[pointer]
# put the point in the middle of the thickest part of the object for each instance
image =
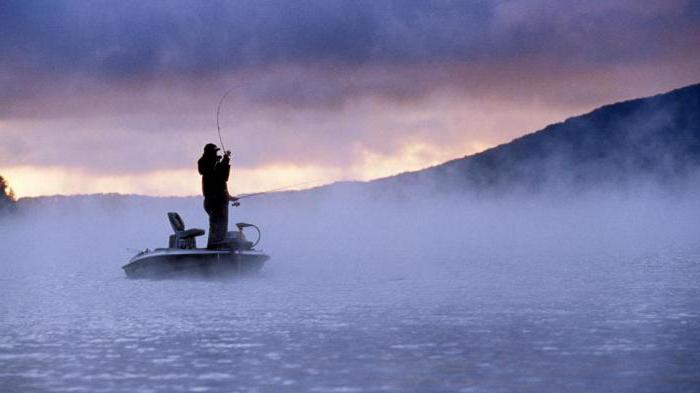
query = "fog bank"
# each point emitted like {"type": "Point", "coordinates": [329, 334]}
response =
{"type": "Point", "coordinates": [339, 232]}
{"type": "Point", "coordinates": [364, 292]}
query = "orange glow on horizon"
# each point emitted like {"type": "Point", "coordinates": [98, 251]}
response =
{"type": "Point", "coordinates": [32, 181]}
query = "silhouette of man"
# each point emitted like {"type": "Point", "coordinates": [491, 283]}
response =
{"type": "Point", "coordinates": [215, 171]}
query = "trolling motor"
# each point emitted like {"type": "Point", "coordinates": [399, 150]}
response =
{"type": "Point", "coordinates": [242, 225]}
{"type": "Point", "coordinates": [238, 240]}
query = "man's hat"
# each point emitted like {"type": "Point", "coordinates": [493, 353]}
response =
{"type": "Point", "coordinates": [211, 147]}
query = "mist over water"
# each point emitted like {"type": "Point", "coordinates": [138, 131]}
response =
{"type": "Point", "coordinates": [544, 293]}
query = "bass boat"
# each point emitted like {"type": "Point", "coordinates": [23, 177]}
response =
{"type": "Point", "coordinates": [236, 256]}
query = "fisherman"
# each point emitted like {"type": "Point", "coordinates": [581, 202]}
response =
{"type": "Point", "coordinates": [215, 172]}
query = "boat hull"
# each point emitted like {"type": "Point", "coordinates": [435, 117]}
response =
{"type": "Point", "coordinates": [166, 263]}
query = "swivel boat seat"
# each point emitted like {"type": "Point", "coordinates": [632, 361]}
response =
{"type": "Point", "coordinates": [183, 238]}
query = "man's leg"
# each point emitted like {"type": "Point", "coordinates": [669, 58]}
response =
{"type": "Point", "coordinates": [209, 208]}
{"type": "Point", "coordinates": [218, 224]}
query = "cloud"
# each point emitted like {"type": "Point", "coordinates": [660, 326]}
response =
{"type": "Point", "coordinates": [53, 47]}
{"type": "Point", "coordinates": [128, 88]}
{"type": "Point", "coordinates": [130, 143]}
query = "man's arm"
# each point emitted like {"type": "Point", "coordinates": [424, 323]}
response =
{"type": "Point", "coordinates": [224, 167]}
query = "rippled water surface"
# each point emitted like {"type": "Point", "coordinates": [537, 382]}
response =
{"type": "Point", "coordinates": [598, 295]}
{"type": "Point", "coordinates": [469, 326]}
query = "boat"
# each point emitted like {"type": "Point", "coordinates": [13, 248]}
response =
{"type": "Point", "coordinates": [236, 256]}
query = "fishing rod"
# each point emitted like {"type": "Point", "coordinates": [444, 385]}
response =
{"type": "Point", "coordinates": [276, 189]}
{"type": "Point", "coordinates": [218, 114]}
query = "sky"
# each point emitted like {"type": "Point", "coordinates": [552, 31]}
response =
{"type": "Point", "coordinates": [105, 96]}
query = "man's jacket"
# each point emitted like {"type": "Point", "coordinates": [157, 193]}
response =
{"type": "Point", "coordinates": [215, 174]}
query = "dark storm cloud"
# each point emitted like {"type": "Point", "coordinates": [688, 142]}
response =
{"type": "Point", "coordinates": [129, 39]}
{"type": "Point", "coordinates": [64, 44]}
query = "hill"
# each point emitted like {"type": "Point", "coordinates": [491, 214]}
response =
{"type": "Point", "coordinates": [648, 139]}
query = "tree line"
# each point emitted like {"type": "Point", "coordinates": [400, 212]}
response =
{"type": "Point", "coordinates": [7, 196]}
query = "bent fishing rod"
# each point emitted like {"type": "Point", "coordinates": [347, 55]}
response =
{"type": "Point", "coordinates": [218, 114]}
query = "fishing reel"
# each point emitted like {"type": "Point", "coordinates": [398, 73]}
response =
{"type": "Point", "coordinates": [235, 201]}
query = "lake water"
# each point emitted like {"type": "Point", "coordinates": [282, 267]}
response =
{"type": "Point", "coordinates": [607, 325]}
{"type": "Point", "coordinates": [493, 304]}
